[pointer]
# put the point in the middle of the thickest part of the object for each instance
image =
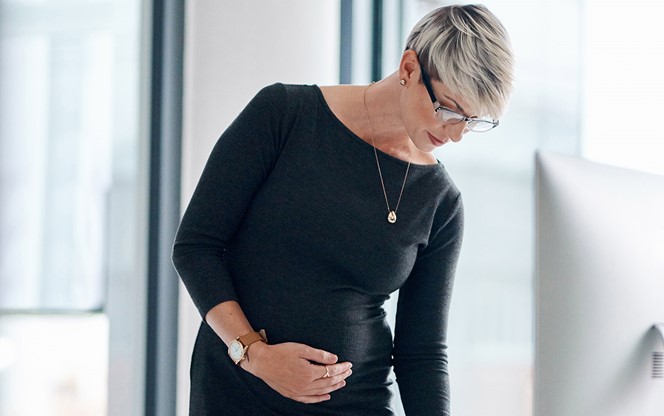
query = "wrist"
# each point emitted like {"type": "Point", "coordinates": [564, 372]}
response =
{"type": "Point", "coordinates": [237, 349]}
{"type": "Point", "coordinates": [254, 356]}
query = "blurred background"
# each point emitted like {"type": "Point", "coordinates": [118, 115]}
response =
{"type": "Point", "coordinates": [109, 109]}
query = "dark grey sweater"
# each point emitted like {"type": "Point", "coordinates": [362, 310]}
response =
{"type": "Point", "coordinates": [289, 219]}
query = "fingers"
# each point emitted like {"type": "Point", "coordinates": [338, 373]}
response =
{"type": "Point", "coordinates": [319, 356]}
{"type": "Point", "coordinates": [322, 394]}
{"type": "Point", "coordinates": [311, 399]}
{"type": "Point", "coordinates": [319, 389]}
{"type": "Point", "coordinates": [331, 371]}
{"type": "Point", "coordinates": [301, 372]}
{"type": "Point", "coordinates": [329, 384]}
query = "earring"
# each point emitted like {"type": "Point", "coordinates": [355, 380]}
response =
{"type": "Point", "coordinates": [402, 82]}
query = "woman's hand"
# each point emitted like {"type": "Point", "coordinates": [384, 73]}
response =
{"type": "Point", "coordinates": [297, 371]}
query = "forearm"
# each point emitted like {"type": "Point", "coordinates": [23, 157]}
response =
{"type": "Point", "coordinates": [228, 321]}
{"type": "Point", "coordinates": [431, 398]}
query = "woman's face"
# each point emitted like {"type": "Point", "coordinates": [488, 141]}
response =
{"type": "Point", "coordinates": [418, 112]}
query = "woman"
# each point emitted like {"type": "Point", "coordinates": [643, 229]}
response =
{"type": "Point", "coordinates": [315, 205]}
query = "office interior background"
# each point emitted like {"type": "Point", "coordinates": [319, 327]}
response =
{"type": "Point", "coordinates": [109, 109]}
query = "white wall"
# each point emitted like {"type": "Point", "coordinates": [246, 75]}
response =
{"type": "Point", "coordinates": [623, 89]}
{"type": "Point", "coordinates": [232, 50]}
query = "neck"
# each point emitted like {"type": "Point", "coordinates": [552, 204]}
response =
{"type": "Point", "coordinates": [382, 105]}
{"type": "Point", "coordinates": [385, 125]}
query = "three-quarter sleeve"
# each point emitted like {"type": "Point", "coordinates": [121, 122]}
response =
{"type": "Point", "coordinates": [420, 350]}
{"type": "Point", "coordinates": [239, 163]}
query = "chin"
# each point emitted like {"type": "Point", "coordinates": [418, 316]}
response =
{"type": "Point", "coordinates": [425, 145]}
{"type": "Point", "coordinates": [427, 148]}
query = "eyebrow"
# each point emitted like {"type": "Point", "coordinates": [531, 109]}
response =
{"type": "Point", "coordinates": [427, 82]}
{"type": "Point", "coordinates": [455, 103]}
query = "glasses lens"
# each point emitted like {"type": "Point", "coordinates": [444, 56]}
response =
{"type": "Point", "coordinates": [448, 116]}
{"type": "Point", "coordinates": [480, 126]}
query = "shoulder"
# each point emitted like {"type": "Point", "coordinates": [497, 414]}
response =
{"type": "Point", "coordinates": [452, 200]}
{"type": "Point", "coordinates": [278, 92]}
{"type": "Point", "coordinates": [443, 186]}
{"type": "Point", "coordinates": [282, 104]}
{"type": "Point", "coordinates": [449, 202]}
{"type": "Point", "coordinates": [286, 99]}
{"type": "Point", "coordinates": [270, 95]}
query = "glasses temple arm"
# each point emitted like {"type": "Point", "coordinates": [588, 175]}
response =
{"type": "Point", "coordinates": [427, 83]}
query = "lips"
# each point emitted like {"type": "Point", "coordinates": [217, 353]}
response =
{"type": "Point", "coordinates": [435, 140]}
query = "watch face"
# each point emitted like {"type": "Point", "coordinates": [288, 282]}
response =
{"type": "Point", "coordinates": [236, 350]}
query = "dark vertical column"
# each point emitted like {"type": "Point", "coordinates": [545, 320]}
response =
{"type": "Point", "coordinates": [346, 42]}
{"type": "Point", "coordinates": [164, 206]}
{"type": "Point", "coordinates": [377, 40]}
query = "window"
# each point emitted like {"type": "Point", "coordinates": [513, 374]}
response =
{"type": "Point", "coordinates": [71, 173]}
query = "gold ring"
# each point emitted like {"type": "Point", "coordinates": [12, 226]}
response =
{"type": "Point", "coordinates": [327, 372]}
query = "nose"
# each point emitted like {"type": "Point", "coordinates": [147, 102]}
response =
{"type": "Point", "coordinates": [456, 131]}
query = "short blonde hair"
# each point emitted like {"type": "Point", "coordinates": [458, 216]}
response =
{"type": "Point", "coordinates": [468, 49]}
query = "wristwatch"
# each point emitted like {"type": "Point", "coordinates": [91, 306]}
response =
{"type": "Point", "coordinates": [237, 349]}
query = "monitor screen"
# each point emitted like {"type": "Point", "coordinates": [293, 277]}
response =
{"type": "Point", "coordinates": [599, 289]}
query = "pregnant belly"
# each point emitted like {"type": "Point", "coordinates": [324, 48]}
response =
{"type": "Point", "coordinates": [355, 331]}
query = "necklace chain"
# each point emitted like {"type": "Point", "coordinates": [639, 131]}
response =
{"type": "Point", "coordinates": [392, 214]}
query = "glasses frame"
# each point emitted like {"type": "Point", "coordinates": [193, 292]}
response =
{"type": "Point", "coordinates": [426, 80]}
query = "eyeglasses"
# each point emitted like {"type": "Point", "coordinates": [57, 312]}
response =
{"type": "Point", "coordinates": [447, 115]}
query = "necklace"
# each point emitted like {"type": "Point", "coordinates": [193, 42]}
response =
{"type": "Point", "coordinates": [392, 214]}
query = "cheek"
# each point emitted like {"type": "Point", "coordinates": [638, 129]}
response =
{"type": "Point", "coordinates": [415, 117]}
{"type": "Point", "coordinates": [454, 131]}
{"type": "Point", "coordinates": [414, 127]}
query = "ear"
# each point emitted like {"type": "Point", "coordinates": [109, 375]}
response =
{"type": "Point", "coordinates": [409, 67]}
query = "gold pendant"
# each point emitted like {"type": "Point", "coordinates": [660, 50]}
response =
{"type": "Point", "coordinates": [392, 217]}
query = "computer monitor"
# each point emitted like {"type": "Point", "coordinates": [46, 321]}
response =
{"type": "Point", "coordinates": [599, 289]}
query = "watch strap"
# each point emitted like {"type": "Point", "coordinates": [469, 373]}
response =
{"type": "Point", "coordinates": [252, 337]}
